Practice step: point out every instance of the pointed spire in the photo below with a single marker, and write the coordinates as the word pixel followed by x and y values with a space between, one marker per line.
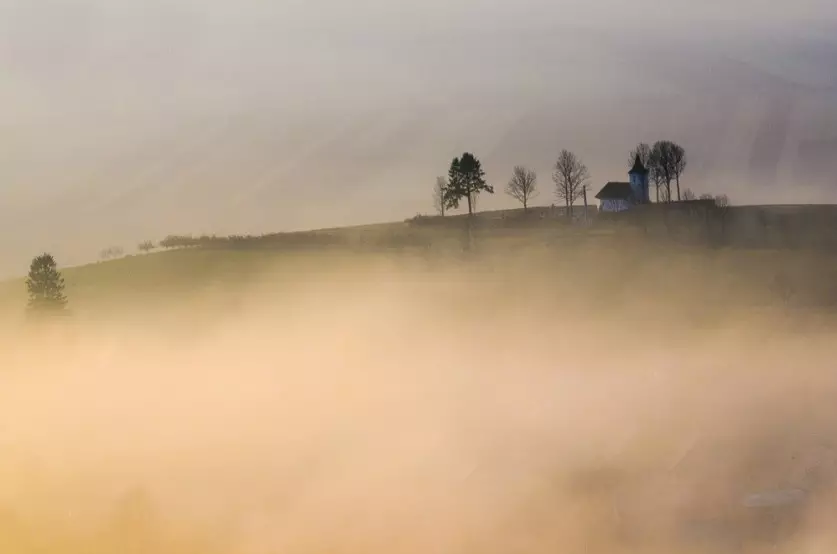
pixel 638 167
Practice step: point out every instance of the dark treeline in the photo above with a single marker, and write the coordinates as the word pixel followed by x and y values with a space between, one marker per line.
pixel 300 239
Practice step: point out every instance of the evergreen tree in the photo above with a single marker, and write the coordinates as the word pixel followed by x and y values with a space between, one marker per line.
pixel 45 285
pixel 466 179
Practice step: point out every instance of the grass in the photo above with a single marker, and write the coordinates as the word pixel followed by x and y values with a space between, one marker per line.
pixel 594 268
pixel 183 271
pixel 597 254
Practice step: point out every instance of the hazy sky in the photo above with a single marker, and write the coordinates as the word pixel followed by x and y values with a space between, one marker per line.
pixel 126 120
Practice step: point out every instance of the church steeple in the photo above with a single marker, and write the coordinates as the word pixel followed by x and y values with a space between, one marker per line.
pixel 638 168
pixel 639 182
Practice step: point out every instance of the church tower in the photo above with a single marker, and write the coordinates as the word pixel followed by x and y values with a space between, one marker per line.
pixel 639 182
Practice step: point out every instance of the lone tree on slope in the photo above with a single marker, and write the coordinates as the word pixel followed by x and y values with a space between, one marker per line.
pixel 523 185
pixel 570 176
pixel 439 195
pixel 45 285
pixel 466 179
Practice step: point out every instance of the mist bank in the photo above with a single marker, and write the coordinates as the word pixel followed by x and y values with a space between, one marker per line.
pixel 385 403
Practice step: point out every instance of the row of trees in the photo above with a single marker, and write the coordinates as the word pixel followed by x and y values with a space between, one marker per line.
pixel 114 252
pixel 466 180
pixel 665 161
pixel 111 253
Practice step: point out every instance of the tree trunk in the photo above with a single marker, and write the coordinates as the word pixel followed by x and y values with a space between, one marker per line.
pixel 470 211
pixel 657 191
pixel 525 207
pixel 678 188
pixel 584 192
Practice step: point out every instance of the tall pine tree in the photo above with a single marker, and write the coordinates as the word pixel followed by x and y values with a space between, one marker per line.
pixel 466 179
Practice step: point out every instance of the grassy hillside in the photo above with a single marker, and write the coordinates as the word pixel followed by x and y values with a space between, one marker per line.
pixel 235 260
pixel 168 277
pixel 538 325
pixel 602 253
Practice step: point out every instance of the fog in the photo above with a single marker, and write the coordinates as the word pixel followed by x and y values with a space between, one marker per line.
pixel 526 405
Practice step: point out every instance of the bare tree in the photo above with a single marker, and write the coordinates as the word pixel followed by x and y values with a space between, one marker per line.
pixel 649 160
pixel 570 176
pixel 523 185
pixel 644 151
pixel 146 246
pixel 439 195
pixel 111 253
pixel 655 174
pixel 688 194
pixel 678 154
pixel 663 164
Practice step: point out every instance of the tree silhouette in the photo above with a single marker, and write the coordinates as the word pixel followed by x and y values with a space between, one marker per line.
pixel 439 195
pixel 667 163
pixel 466 179
pixel 178 241
pixel 570 176
pixel 146 246
pixel 111 252
pixel 523 185
pixel 646 156
pixel 679 164
pixel 644 151
pixel 45 285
